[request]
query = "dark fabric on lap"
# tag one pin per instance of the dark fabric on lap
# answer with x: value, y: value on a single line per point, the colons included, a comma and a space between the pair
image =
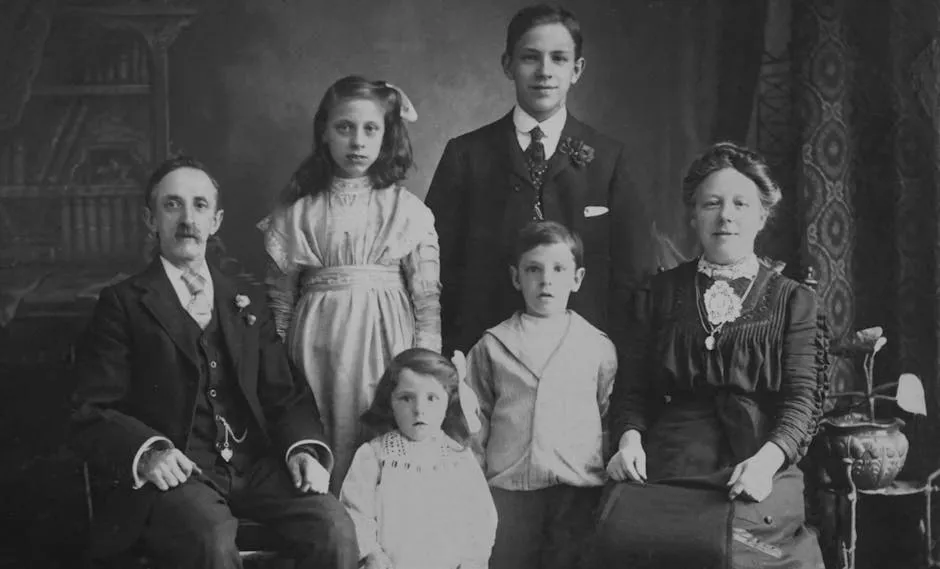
x: 670, y: 522
x: 687, y: 440
x: 771, y: 534
x: 640, y: 526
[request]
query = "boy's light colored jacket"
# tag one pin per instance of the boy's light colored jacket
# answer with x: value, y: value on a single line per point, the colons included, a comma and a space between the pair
x: 548, y: 429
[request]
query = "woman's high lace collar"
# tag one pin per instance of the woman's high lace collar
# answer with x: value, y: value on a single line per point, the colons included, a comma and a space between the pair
x: 350, y: 185
x: 744, y: 268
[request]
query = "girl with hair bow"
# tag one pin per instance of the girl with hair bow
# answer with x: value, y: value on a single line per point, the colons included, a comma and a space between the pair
x: 416, y: 492
x: 354, y: 266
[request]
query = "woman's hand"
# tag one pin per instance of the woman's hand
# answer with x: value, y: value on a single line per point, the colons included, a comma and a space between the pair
x: 630, y: 460
x: 754, y: 477
x: 378, y: 560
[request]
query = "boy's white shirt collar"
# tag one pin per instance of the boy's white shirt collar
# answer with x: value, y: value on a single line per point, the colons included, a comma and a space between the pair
x: 510, y: 332
x: 552, y: 128
x: 175, y: 274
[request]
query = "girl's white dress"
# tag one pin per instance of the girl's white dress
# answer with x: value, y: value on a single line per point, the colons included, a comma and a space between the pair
x: 356, y: 279
x: 425, y: 504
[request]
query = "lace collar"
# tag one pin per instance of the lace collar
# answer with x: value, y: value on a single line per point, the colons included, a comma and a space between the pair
x: 744, y: 268
x: 395, y: 445
x: 350, y: 185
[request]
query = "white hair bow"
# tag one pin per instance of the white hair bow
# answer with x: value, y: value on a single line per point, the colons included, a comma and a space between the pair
x: 408, y: 112
x: 468, y: 399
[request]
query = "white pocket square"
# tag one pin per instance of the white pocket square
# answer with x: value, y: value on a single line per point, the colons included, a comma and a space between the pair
x: 594, y: 210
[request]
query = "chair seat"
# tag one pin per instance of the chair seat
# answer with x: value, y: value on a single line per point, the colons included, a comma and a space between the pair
x: 255, y: 540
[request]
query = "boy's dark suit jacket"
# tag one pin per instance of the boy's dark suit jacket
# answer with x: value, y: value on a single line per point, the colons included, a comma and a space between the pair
x: 482, y: 195
x: 137, y: 379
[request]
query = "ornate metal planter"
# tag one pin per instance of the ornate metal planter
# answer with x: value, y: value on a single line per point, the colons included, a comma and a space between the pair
x: 877, y: 449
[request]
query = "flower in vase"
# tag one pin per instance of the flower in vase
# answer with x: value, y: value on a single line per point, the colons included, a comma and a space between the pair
x: 910, y: 394
x: 867, y: 341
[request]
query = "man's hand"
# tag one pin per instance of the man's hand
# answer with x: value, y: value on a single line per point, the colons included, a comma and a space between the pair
x: 167, y: 468
x: 308, y: 474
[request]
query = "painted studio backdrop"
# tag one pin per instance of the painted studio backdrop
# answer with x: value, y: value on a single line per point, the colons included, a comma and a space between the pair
x: 842, y: 96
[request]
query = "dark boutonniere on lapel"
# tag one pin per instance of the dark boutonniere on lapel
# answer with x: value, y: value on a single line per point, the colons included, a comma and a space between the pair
x: 580, y: 153
x: 242, y: 301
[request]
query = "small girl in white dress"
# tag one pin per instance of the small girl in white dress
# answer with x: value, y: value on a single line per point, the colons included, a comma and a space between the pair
x: 416, y: 493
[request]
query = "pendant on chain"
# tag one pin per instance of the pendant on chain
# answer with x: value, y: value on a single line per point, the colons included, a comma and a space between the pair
x: 710, y: 342
x: 537, y: 211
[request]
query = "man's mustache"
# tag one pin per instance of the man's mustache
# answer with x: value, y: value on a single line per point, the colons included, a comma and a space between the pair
x: 183, y: 232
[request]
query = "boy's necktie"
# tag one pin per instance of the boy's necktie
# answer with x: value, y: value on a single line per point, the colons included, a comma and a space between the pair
x: 198, y: 306
x: 535, y: 160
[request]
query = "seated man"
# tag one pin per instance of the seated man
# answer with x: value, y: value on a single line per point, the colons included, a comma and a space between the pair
x: 185, y: 396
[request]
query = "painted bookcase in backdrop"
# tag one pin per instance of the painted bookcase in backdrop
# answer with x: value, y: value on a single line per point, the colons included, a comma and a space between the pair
x: 97, y: 120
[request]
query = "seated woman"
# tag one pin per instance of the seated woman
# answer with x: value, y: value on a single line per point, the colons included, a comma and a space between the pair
x: 717, y: 397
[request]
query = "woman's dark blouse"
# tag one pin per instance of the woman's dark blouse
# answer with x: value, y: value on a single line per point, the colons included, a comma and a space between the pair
x: 761, y: 374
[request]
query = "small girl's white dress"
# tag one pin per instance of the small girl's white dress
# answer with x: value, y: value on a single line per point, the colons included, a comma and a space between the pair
x: 425, y: 504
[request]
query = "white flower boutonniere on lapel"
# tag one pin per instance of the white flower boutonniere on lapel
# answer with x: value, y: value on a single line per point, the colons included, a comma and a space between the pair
x: 242, y: 301
x: 580, y: 153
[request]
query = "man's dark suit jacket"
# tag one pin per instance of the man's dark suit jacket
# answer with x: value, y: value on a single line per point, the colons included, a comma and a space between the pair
x: 136, y: 379
x: 482, y: 195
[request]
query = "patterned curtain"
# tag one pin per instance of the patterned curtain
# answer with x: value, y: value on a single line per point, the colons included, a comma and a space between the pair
x: 24, y: 26
x: 824, y: 175
x: 867, y: 96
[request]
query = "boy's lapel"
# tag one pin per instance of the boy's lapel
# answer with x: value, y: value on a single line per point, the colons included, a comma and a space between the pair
x: 512, y: 153
x: 564, y: 188
x: 560, y: 161
x: 509, y: 334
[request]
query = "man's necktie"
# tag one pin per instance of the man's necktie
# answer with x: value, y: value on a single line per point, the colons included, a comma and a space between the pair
x: 198, y: 306
x: 535, y: 160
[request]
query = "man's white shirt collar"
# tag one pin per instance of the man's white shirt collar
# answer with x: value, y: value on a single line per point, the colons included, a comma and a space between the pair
x: 551, y: 126
x: 175, y: 274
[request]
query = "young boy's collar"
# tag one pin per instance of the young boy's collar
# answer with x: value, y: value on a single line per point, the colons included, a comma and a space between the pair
x: 552, y: 126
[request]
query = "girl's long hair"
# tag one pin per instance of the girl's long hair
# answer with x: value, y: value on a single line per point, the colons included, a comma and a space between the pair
x: 379, y: 417
x: 395, y: 158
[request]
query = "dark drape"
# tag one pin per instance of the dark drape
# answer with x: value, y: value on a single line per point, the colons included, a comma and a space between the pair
x: 710, y: 52
x: 867, y: 90
x: 867, y: 94
x: 740, y: 50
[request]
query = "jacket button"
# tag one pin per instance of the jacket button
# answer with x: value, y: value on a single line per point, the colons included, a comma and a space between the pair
x: 212, y: 393
x: 667, y: 399
x: 213, y: 365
